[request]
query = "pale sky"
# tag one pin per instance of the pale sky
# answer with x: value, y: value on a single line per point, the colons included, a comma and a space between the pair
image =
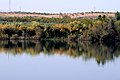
x: 64, y: 6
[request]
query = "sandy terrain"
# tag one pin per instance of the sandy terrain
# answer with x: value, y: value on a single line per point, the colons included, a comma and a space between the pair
x: 72, y: 15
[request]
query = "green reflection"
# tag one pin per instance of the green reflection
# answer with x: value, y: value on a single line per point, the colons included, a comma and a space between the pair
x: 101, y: 52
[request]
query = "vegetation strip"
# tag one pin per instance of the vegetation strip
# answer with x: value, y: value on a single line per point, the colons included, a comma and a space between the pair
x: 102, y: 28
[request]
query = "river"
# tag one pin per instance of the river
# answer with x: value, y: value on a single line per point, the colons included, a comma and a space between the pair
x: 59, y: 60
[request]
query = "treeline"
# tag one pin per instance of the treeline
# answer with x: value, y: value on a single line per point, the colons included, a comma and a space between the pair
x: 21, y: 31
x: 102, y: 28
x: 65, y: 19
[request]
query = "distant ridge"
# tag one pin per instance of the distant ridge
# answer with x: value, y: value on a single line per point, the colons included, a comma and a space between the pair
x: 57, y: 15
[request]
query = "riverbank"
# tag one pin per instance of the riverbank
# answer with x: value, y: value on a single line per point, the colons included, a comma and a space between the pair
x: 102, y: 28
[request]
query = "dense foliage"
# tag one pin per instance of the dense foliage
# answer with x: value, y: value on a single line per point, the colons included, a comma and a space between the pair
x: 102, y: 28
x: 117, y: 16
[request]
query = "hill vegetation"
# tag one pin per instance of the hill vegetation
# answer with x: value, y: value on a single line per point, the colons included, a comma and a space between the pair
x: 102, y: 28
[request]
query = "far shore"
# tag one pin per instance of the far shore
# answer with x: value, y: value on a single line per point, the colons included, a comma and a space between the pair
x: 57, y: 15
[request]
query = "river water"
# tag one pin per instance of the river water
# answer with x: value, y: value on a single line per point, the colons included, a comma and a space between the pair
x: 54, y: 60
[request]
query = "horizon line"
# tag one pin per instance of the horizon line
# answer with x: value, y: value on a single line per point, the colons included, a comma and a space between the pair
x: 59, y: 12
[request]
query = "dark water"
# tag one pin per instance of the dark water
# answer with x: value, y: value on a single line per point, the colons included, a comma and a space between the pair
x: 51, y: 60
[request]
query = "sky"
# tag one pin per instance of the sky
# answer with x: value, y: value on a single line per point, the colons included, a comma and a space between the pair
x: 63, y: 6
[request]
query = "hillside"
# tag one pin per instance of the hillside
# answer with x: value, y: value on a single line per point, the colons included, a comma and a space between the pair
x: 60, y: 15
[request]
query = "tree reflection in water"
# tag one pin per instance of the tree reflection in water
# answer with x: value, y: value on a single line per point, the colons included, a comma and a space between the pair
x: 101, y: 52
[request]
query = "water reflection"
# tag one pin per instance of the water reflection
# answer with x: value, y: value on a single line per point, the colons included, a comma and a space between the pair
x: 101, y: 52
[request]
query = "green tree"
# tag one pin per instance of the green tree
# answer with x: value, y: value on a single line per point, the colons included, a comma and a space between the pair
x: 117, y: 15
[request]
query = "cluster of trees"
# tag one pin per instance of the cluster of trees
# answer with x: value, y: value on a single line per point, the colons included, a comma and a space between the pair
x: 102, y: 28
x: 117, y: 16
x: 84, y: 29
x: 21, y: 30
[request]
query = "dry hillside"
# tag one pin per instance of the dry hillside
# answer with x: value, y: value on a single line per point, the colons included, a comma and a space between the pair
x: 72, y: 15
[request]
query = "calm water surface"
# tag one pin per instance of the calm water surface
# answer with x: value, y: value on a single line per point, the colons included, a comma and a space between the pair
x: 49, y: 60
